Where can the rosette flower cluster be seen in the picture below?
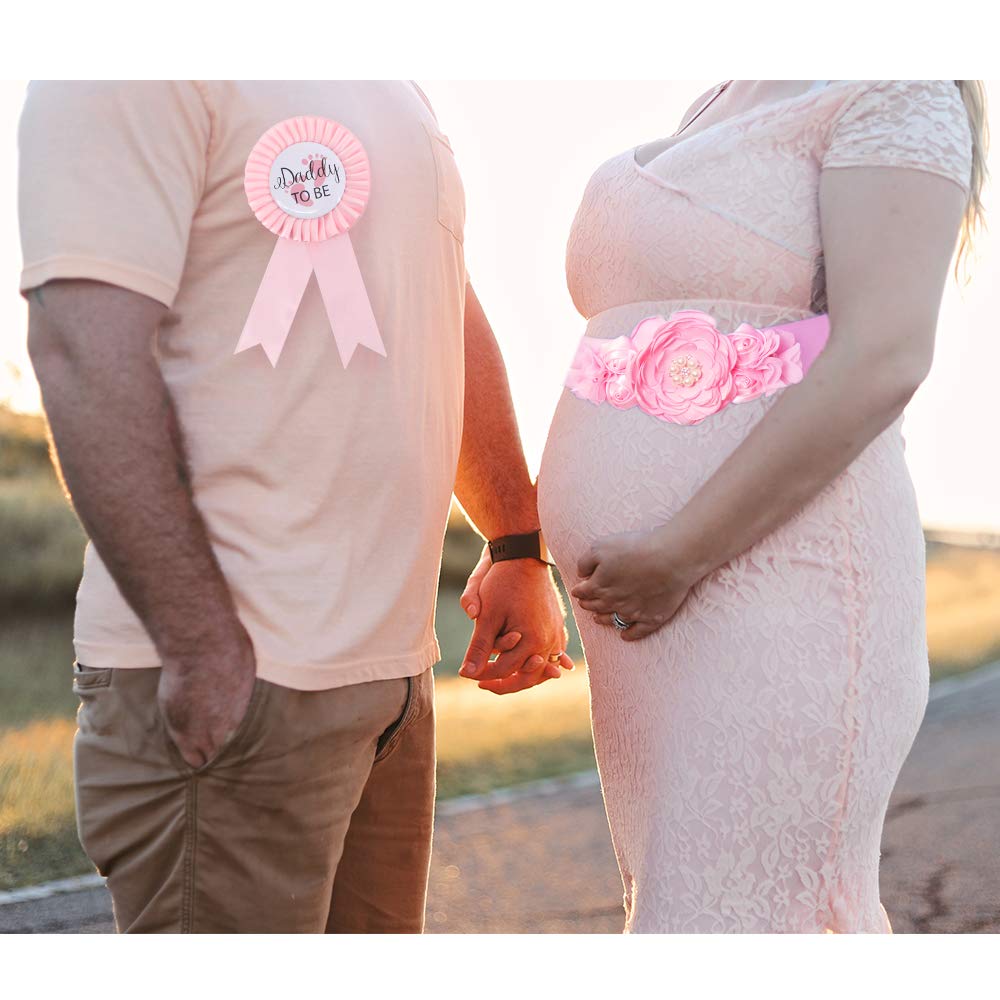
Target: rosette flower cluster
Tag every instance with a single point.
(602, 372)
(682, 369)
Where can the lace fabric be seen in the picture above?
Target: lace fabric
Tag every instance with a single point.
(747, 750)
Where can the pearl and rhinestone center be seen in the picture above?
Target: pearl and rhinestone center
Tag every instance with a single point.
(685, 370)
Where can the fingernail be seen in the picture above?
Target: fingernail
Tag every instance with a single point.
(473, 610)
(468, 670)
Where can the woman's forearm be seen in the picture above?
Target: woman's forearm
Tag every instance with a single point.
(810, 435)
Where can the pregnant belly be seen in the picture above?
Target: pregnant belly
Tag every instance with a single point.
(606, 471)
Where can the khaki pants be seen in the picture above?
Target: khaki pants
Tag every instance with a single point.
(315, 817)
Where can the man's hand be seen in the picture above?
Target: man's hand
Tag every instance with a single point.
(205, 698)
(514, 597)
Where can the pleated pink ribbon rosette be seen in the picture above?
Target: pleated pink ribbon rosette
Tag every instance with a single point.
(307, 180)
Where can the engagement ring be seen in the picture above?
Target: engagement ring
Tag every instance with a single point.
(555, 657)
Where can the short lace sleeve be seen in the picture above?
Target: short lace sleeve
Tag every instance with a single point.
(921, 124)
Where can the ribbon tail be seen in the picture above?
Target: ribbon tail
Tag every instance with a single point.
(277, 300)
(345, 297)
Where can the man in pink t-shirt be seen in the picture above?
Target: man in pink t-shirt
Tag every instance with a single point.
(255, 627)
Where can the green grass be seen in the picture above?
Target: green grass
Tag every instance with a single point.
(40, 537)
(37, 704)
(963, 608)
(36, 656)
(37, 825)
(42, 544)
(23, 446)
(486, 742)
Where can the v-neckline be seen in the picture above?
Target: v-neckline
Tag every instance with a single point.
(717, 91)
(643, 168)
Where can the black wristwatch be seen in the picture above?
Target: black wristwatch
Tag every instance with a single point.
(529, 546)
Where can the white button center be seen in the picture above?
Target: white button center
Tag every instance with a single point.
(307, 180)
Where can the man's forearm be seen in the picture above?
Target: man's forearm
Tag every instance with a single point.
(122, 460)
(492, 484)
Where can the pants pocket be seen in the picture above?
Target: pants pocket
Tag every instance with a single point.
(95, 716)
(391, 736)
(230, 748)
(85, 678)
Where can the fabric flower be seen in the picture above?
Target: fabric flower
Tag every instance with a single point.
(603, 372)
(620, 391)
(766, 360)
(618, 356)
(588, 374)
(683, 370)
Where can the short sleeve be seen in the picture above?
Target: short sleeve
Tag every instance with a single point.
(110, 176)
(920, 124)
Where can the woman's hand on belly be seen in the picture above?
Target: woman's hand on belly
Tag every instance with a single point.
(640, 575)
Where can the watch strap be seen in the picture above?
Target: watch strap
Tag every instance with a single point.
(526, 546)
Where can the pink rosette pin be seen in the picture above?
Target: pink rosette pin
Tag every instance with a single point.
(683, 369)
(307, 180)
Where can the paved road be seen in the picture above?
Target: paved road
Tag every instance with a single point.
(540, 860)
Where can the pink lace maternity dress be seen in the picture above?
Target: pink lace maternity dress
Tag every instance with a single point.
(747, 750)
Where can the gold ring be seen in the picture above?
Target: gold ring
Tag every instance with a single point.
(555, 657)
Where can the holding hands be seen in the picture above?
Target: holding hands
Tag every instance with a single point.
(518, 615)
(643, 577)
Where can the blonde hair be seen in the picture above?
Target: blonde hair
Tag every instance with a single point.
(974, 98)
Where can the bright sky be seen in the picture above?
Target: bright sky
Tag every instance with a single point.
(526, 150)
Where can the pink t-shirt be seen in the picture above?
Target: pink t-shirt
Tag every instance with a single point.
(325, 491)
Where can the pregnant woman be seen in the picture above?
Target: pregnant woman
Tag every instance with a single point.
(729, 504)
